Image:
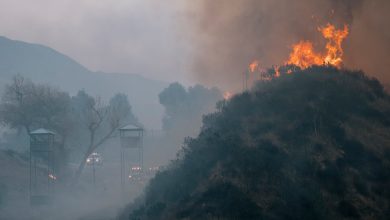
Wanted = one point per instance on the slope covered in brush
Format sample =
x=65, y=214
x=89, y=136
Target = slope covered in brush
x=314, y=144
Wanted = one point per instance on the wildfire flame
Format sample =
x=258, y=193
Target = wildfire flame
x=335, y=38
x=303, y=54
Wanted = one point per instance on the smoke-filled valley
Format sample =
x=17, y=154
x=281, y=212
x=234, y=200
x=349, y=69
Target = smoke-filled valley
x=44, y=89
x=252, y=109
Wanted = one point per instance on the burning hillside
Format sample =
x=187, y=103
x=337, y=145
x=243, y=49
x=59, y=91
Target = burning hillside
x=308, y=145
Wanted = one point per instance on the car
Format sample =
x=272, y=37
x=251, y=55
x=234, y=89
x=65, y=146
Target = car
x=136, y=174
x=94, y=159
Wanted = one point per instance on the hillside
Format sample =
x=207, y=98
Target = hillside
x=45, y=65
x=13, y=182
x=314, y=144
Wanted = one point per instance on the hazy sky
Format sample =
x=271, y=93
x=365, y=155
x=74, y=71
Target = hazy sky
x=210, y=41
x=131, y=36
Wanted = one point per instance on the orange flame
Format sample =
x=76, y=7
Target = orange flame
x=253, y=69
x=303, y=54
x=227, y=95
x=254, y=66
x=335, y=38
x=277, y=71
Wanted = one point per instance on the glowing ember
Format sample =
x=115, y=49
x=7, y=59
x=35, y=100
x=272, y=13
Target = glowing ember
x=254, y=66
x=277, y=71
x=303, y=54
x=227, y=95
x=250, y=74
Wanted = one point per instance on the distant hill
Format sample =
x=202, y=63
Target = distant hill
x=45, y=65
x=314, y=144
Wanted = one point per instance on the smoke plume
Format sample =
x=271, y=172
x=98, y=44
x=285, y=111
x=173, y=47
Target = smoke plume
x=228, y=35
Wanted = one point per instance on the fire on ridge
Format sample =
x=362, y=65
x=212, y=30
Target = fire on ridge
x=302, y=56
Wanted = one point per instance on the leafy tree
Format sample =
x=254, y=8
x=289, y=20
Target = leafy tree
x=28, y=106
x=184, y=108
x=80, y=120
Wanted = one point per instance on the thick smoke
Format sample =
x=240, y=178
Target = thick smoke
x=228, y=35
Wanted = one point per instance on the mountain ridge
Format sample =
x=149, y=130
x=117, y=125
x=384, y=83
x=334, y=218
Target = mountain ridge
x=43, y=64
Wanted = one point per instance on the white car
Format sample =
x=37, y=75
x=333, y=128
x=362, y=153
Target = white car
x=136, y=174
x=94, y=159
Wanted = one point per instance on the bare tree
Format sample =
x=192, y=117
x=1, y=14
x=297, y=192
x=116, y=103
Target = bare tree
x=16, y=107
x=101, y=121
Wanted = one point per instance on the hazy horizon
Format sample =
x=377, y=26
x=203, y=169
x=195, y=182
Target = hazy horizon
x=124, y=37
x=196, y=41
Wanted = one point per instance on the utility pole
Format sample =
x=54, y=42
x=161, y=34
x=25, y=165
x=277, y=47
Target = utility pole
x=94, y=171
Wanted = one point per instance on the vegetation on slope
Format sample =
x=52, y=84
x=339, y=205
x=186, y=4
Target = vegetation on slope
x=314, y=144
